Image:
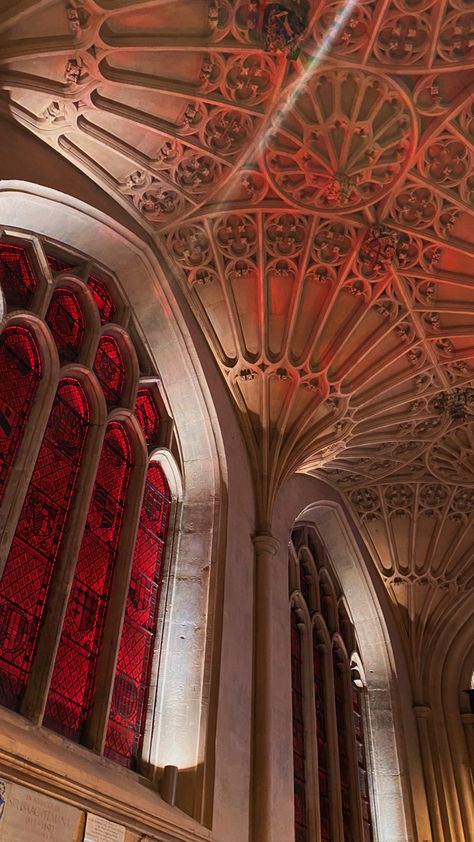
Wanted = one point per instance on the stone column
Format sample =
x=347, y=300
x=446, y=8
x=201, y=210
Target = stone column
x=272, y=785
x=423, y=716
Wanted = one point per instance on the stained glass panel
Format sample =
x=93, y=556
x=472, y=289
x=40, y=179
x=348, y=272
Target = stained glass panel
x=301, y=824
x=110, y=369
x=66, y=322
x=17, y=278
x=30, y=564
x=56, y=264
x=102, y=297
x=73, y=677
x=148, y=415
x=20, y=373
x=129, y=698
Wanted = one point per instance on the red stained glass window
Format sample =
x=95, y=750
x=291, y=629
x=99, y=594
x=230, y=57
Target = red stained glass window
x=321, y=731
x=301, y=824
x=102, y=297
x=66, y=322
x=362, y=763
x=20, y=373
x=30, y=564
x=344, y=764
x=148, y=415
x=56, y=264
x=17, y=278
x=73, y=677
x=134, y=663
x=110, y=369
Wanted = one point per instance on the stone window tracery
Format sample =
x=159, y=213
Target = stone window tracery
x=332, y=798
x=74, y=586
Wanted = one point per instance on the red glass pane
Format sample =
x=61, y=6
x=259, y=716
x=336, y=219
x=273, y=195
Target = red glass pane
x=105, y=305
x=20, y=373
x=148, y=415
x=134, y=663
x=301, y=824
x=362, y=763
x=74, y=671
x=56, y=264
x=66, y=322
x=342, y=748
x=321, y=731
x=17, y=279
x=110, y=369
x=30, y=564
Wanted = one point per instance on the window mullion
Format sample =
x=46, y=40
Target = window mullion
x=356, y=803
x=25, y=459
x=95, y=727
x=333, y=750
x=36, y=694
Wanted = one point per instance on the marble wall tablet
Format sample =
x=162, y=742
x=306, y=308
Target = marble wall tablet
x=26, y=815
x=101, y=830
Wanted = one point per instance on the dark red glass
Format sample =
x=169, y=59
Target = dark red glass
x=301, y=822
x=56, y=264
x=29, y=567
x=109, y=367
x=73, y=677
x=148, y=415
x=66, y=322
x=342, y=749
x=127, y=715
x=102, y=297
x=321, y=731
x=20, y=373
x=362, y=763
x=17, y=278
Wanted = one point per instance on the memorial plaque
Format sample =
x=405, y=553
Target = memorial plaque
x=101, y=830
x=26, y=815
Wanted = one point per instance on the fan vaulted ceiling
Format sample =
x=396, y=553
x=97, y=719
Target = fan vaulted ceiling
x=318, y=214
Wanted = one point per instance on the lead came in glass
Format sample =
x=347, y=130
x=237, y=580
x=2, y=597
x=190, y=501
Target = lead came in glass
x=20, y=373
x=102, y=298
x=72, y=683
x=30, y=564
x=17, y=279
x=138, y=637
x=110, y=369
x=148, y=415
x=66, y=322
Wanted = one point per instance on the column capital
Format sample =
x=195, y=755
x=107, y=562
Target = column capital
x=265, y=542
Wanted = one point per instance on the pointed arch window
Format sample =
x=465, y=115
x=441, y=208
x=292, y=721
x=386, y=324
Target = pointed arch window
x=66, y=322
x=57, y=597
x=299, y=740
x=20, y=373
x=132, y=678
x=337, y=750
x=103, y=299
x=109, y=367
x=18, y=281
x=72, y=683
x=30, y=563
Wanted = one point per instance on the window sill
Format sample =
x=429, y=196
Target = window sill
x=54, y=766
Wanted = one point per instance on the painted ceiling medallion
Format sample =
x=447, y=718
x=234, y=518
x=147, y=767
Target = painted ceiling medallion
x=344, y=143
